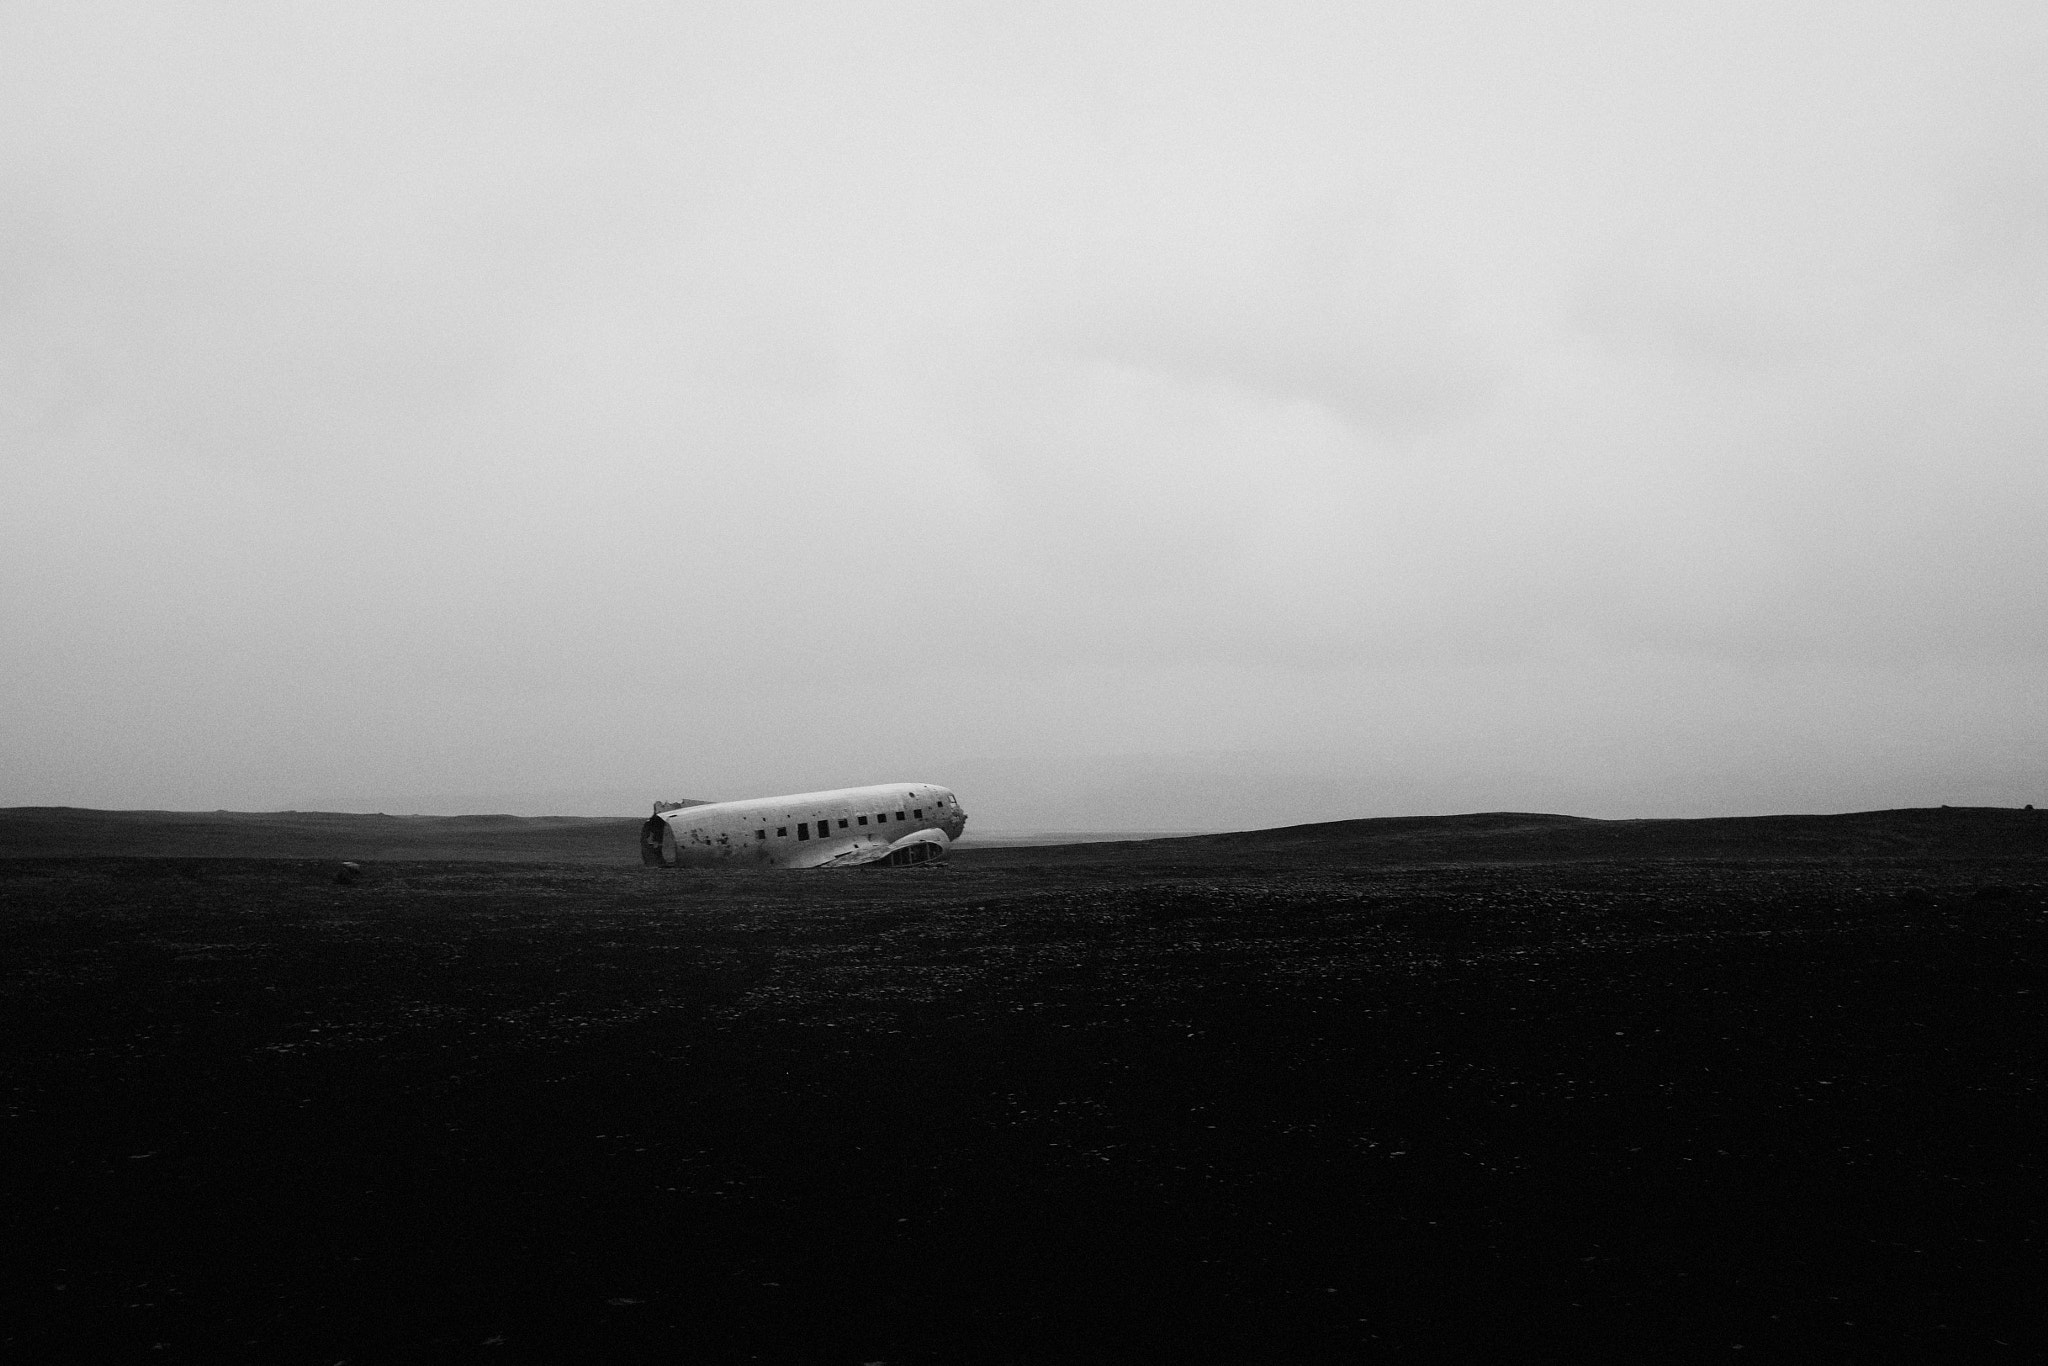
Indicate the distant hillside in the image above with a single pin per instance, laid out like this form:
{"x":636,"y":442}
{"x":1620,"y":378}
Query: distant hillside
{"x":1491,"y":837}
{"x":1519,"y":837}
{"x":64,"y":831}
{"x":1019,"y":839}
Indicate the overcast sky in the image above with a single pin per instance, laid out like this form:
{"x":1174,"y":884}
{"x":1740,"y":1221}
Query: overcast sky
{"x":1135,"y":416}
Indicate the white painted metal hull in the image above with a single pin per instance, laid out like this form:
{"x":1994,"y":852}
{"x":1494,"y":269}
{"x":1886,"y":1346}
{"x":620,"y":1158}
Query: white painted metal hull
{"x":845,"y":827}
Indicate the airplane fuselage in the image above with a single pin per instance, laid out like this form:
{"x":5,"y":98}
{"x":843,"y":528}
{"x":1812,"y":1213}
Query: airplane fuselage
{"x":886,"y":823}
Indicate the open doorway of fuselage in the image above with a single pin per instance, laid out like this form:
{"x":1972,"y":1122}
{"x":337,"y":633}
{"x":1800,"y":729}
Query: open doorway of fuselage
{"x":657,"y":843}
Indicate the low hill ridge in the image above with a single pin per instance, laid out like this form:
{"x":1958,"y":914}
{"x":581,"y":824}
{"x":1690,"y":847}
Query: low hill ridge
{"x":69,"y":831}
{"x":1485,"y":837}
{"x":1522,"y":836}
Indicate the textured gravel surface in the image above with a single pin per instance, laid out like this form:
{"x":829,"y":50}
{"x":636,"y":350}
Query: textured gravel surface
{"x":1010,"y":1111}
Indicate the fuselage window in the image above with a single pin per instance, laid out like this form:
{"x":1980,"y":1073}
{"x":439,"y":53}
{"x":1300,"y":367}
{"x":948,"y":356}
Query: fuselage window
{"x":919,"y":813}
{"x":762,"y":833}
{"x":803,"y":830}
{"x":863,"y":820}
{"x":842,"y":822}
{"x":900,"y":816}
{"x":781,"y":832}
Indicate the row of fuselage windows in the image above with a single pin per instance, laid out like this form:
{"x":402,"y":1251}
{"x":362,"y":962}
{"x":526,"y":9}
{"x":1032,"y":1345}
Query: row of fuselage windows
{"x":803,"y":829}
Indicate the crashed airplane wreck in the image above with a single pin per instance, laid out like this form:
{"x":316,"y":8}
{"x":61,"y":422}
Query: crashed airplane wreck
{"x":887,"y":825}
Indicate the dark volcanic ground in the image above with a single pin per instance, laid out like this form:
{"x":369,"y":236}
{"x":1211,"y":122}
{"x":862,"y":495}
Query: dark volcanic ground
{"x":1028,"y":1107}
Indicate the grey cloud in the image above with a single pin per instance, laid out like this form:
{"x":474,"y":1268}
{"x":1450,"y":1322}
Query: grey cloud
{"x":1412,"y":406}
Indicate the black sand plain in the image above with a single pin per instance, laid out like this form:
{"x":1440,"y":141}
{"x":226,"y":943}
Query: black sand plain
{"x":1491,"y":1087}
